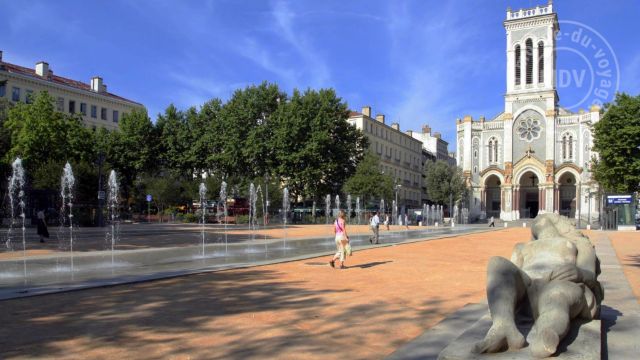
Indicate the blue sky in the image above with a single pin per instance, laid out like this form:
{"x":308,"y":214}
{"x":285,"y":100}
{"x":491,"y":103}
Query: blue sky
{"x":416,"y":62}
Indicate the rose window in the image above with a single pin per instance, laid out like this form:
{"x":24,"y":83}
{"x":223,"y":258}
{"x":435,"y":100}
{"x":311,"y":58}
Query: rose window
{"x":529,"y":129}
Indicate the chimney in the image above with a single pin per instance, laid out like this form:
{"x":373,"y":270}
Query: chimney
{"x":395,"y":126}
{"x":380,"y":118}
{"x":410,"y":132}
{"x":366,"y":111}
{"x":437,"y":135}
{"x":96,"y":84}
{"x":42,"y":69}
{"x":426,"y":129}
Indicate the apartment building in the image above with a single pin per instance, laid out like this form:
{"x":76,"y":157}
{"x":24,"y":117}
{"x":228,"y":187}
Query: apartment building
{"x":400,"y":154}
{"x":97,"y":106}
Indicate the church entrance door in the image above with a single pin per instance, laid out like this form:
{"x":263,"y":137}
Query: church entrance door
{"x":567,"y":201}
{"x":492,"y":196}
{"x":529,"y":202}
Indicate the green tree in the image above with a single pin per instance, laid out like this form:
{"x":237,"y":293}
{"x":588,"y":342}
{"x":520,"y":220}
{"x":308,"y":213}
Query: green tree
{"x":317,"y":150}
{"x":245,"y":135}
{"x":174,"y":142}
{"x":368,"y":182}
{"x":39,"y":133}
{"x":5,"y":139}
{"x":165,"y":191}
{"x":131,"y":150}
{"x":443,"y":180}
{"x":204,"y":129}
{"x":207,"y":143}
{"x":616,"y":139}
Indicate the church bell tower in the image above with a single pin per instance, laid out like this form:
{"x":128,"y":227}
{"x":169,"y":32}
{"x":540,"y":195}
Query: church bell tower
{"x":531,"y":100}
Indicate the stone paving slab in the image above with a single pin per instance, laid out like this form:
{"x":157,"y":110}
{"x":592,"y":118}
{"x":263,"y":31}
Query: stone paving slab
{"x":620,"y":313}
{"x":429,"y":345}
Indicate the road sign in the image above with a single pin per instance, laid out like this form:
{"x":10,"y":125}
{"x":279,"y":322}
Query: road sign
{"x":149,"y":198}
{"x":101,"y":195}
{"x":619,"y":199}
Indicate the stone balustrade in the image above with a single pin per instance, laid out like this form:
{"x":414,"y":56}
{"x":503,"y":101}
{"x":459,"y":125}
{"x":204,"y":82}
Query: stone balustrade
{"x":525,"y":13}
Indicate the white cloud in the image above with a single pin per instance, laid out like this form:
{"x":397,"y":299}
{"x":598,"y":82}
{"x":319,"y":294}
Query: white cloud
{"x":433,"y":62}
{"x":316,"y":69}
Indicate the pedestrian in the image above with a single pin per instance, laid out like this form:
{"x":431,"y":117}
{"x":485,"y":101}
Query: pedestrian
{"x":43,"y":232}
{"x":386,"y":221}
{"x":342,"y":240}
{"x":406,"y":220}
{"x":491,"y":223}
{"x":375,"y":225}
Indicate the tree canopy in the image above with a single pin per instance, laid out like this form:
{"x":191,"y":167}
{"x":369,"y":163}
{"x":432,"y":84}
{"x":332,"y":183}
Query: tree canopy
{"x":368,"y":182}
{"x":316,"y":148}
{"x":617,"y":141}
{"x":442,"y":180}
{"x":259,"y":135}
{"x":40,"y":134}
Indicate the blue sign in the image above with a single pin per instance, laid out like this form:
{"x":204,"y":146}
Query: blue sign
{"x":619,"y":199}
{"x":149,"y":198}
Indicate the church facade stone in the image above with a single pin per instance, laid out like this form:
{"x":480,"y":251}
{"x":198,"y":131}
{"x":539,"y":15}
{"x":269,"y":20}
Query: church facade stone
{"x":535,"y":156}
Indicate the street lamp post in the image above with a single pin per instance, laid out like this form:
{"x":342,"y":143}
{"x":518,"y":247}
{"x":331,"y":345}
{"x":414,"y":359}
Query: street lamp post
{"x":396,"y":187}
{"x":450,"y":207}
{"x":266,"y":199}
{"x":100,"y":219}
{"x":589,"y":211}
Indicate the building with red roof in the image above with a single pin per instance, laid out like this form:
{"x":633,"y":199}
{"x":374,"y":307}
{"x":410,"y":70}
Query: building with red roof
{"x":97,"y":106}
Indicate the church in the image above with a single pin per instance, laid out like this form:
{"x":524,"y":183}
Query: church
{"x":535,"y":156}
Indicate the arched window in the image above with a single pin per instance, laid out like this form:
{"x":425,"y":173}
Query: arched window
{"x":529,"y":61}
{"x":493,"y":150}
{"x":570,"y":147}
{"x":490,"y":151}
{"x":540,"y":62}
{"x":567,"y":146}
{"x":517,"y":64}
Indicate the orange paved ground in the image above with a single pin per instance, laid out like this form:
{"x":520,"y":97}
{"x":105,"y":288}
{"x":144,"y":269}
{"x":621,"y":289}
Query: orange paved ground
{"x":627,"y":247}
{"x":295,"y":310}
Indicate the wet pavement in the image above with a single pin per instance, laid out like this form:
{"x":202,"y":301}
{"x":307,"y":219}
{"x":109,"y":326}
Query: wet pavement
{"x":150,"y":251}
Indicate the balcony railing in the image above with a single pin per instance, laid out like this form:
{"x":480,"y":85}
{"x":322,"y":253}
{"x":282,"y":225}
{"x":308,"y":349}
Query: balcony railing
{"x":524,"y":13}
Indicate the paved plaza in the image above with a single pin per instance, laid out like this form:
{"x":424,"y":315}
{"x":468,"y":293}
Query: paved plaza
{"x":153,"y":251}
{"x":301,"y":309}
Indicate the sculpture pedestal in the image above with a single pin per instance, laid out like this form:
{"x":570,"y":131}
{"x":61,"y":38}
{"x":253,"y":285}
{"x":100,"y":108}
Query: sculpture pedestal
{"x":583,"y":342}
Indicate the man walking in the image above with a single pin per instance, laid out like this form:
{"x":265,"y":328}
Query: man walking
{"x":375,"y":224}
{"x":491,"y":223}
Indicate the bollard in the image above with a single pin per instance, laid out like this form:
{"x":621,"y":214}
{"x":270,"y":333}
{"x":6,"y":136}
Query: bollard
{"x":524,"y":224}
{"x":505,"y":224}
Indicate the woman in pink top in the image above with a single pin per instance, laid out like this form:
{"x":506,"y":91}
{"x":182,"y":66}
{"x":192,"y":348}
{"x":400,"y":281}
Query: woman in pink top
{"x":342,"y":239}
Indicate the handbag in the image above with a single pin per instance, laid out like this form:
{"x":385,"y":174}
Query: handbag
{"x":348,"y":250}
